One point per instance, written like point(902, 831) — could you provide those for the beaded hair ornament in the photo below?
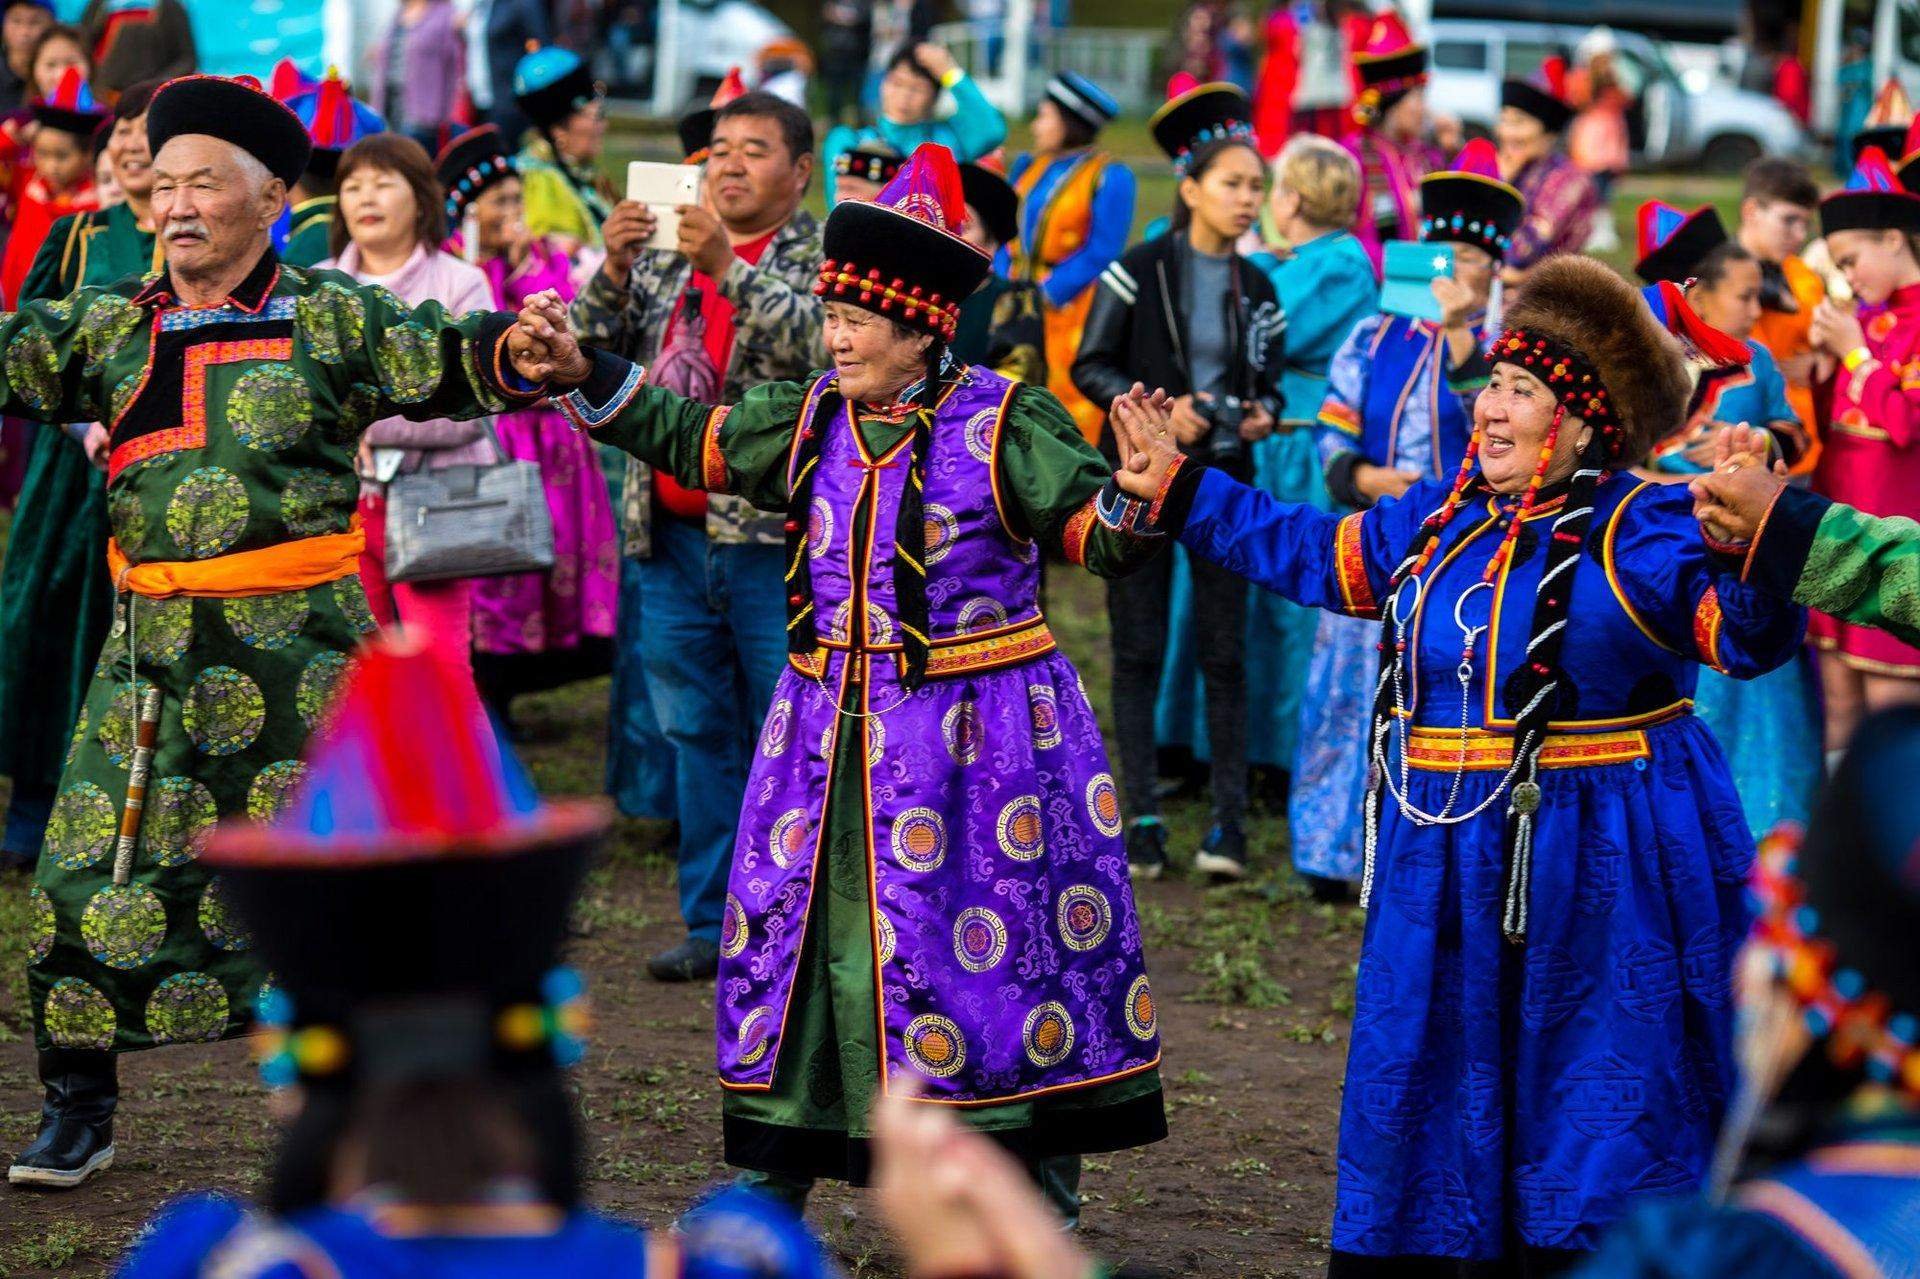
point(1229, 131)
point(1859, 1027)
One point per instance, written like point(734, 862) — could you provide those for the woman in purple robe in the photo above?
point(534, 631)
point(929, 883)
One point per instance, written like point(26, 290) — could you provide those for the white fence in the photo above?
point(1121, 60)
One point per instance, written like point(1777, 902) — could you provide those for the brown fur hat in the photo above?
point(1582, 306)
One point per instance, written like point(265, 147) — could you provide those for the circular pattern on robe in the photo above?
point(318, 683)
point(1044, 710)
point(787, 838)
point(123, 925)
point(888, 939)
point(187, 1008)
point(1141, 1017)
point(207, 512)
point(77, 1015)
point(819, 526)
point(935, 1046)
point(81, 827)
point(1103, 804)
point(180, 814)
point(409, 363)
point(351, 598)
point(756, 1035)
point(270, 407)
point(43, 925)
point(119, 726)
point(273, 788)
point(982, 613)
point(267, 622)
point(979, 939)
point(979, 434)
point(224, 711)
point(162, 630)
point(218, 923)
point(314, 501)
point(942, 531)
point(879, 625)
point(962, 731)
point(120, 396)
point(876, 741)
point(1085, 917)
point(777, 734)
point(1048, 1034)
point(33, 368)
point(1021, 830)
point(919, 839)
point(733, 928)
point(126, 517)
point(332, 319)
point(110, 320)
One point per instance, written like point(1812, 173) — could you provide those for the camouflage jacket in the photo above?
point(777, 339)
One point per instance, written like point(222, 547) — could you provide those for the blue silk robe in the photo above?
point(1497, 1091)
point(1386, 398)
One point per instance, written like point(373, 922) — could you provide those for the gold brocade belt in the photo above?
point(1440, 750)
point(949, 655)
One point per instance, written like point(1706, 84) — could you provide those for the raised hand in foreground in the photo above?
point(1732, 499)
point(1142, 427)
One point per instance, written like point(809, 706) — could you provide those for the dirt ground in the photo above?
point(1254, 983)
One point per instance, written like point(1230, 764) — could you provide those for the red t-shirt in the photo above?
point(673, 496)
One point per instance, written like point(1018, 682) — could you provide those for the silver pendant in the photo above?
point(1526, 797)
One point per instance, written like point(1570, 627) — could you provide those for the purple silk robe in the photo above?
point(1008, 948)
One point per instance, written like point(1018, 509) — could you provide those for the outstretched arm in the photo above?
point(1308, 556)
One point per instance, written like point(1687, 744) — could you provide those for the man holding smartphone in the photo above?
point(729, 308)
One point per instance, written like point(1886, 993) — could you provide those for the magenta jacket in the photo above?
point(435, 70)
point(430, 276)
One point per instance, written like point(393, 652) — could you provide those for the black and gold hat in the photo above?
point(1199, 117)
point(868, 163)
point(1470, 204)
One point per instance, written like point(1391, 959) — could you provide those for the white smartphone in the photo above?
point(663, 188)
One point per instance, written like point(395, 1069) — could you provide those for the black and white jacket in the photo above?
point(1136, 330)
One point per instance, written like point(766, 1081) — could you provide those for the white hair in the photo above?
point(257, 173)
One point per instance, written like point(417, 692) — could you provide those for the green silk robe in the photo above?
point(234, 429)
point(310, 235)
point(55, 596)
point(1856, 567)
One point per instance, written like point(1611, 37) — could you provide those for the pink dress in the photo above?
point(539, 630)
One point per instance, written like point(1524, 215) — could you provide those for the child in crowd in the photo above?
point(60, 180)
point(1777, 205)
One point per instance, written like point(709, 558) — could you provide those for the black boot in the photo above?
point(76, 1120)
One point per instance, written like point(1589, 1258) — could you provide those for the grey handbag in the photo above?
point(468, 521)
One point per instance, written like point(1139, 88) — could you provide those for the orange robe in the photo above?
point(1784, 334)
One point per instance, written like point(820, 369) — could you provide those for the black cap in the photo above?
point(997, 203)
point(1198, 117)
point(1553, 113)
point(471, 163)
point(236, 111)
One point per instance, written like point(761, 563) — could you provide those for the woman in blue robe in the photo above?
point(1395, 409)
point(1326, 285)
point(1556, 854)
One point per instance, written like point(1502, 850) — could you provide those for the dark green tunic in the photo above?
point(234, 429)
point(55, 597)
point(310, 237)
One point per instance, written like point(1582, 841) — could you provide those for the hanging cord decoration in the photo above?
point(910, 525)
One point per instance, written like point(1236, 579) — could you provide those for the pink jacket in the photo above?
point(430, 276)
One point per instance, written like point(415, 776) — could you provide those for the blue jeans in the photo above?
point(639, 756)
point(713, 643)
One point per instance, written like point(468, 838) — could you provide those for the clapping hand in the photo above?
point(542, 344)
point(1143, 429)
point(1733, 498)
point(1836, 329)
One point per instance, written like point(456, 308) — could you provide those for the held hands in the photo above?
point(1143, 429)
point(1732, 499)
point(959, 1204)
point(542, 344)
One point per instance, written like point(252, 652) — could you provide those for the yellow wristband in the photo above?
point(1855, 358)
point(952, 77)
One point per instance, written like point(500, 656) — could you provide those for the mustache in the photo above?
point(188, 226)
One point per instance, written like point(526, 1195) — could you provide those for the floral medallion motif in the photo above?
point(41, 929)
point(224, 711)
point(33, 368)
point(120, 723)
point(1085, 916)
point(187, 1008)
point(218, 923)
point(123, 925)
point(919, 839)
point(266, 621)
point(935, 1046)
point(1048, 1035)
point(207, 512)
point(979, 939)
point(270, 407)
point(180, 814)
point(1021, 830)
point(81, 827)
point(409, 362)
point(316, 501)
point(77, 1015)
point(318, 682)
point(272, 788)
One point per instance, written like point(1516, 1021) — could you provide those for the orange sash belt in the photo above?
point(288, 566)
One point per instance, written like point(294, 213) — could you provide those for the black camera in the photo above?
point(1224, 415)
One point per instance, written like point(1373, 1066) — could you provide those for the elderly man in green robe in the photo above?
point(234, 390)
